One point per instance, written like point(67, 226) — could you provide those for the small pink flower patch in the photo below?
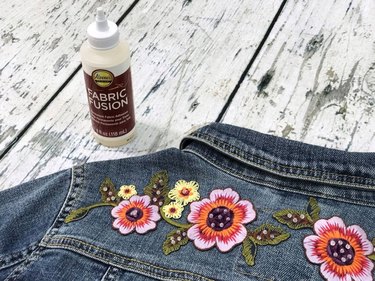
point(135, 214)
point(220, 220)
point(341, 251)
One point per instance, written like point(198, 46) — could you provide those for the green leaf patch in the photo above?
point(175, 240)
point(372, 256)
point(249, 250)
point(313, 209)
point(268, 234)
point(294, 219)
point(157, 188)
point(77, 214)
point(108, 191)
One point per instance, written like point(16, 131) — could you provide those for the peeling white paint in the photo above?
point(179, 80)
point(324, 61)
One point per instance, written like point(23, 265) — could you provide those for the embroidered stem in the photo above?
point(82, 212)
point(174, 223)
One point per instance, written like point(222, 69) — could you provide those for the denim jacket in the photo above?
point(230, 204)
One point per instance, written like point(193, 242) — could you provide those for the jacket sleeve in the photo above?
point(27, 212)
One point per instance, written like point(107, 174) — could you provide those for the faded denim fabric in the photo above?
point(272, 173)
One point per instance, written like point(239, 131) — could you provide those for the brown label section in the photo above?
point(111, 106)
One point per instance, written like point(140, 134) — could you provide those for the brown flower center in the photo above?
point(220, 218)
point(172, 210)
point(134, 214)
point(341, 252)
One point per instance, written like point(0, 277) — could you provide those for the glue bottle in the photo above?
point(106, 66)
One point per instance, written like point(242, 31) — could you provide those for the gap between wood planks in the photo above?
point(28, 125)
point(256, 53)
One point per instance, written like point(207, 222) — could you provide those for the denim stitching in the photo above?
point(136, 269)
point(212, 139)
point(281, 187)
point(154, 275)
point(237, 152)
point(106, 273)
point(23, 266)
point(278, 187)
point(110, 274)
point(323, 172)
point(77, 175)
point(49, 243)
point(17, 257)
point(55, 225)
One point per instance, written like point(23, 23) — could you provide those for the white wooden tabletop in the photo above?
point(303, 70)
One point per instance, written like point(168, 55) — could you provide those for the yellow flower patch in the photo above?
point(127, 191)
point(185, 192)
point(173, 210)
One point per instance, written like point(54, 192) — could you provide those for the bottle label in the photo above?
point(110, 99)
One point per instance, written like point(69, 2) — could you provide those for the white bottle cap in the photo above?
point(102, 34)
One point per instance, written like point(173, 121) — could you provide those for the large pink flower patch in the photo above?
point(220, 220)
point(135, 214)
point(342, 251)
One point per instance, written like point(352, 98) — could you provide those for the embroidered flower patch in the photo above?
point(185, 192)
point(340, 250)
point(173, 210)
point(127, 191)
point(215, 221)
point(220, 220)
point(343, 253)
point(135, 213)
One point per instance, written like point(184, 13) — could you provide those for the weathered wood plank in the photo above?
point(187, 58)
point(38, 51)
point(315, 79)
